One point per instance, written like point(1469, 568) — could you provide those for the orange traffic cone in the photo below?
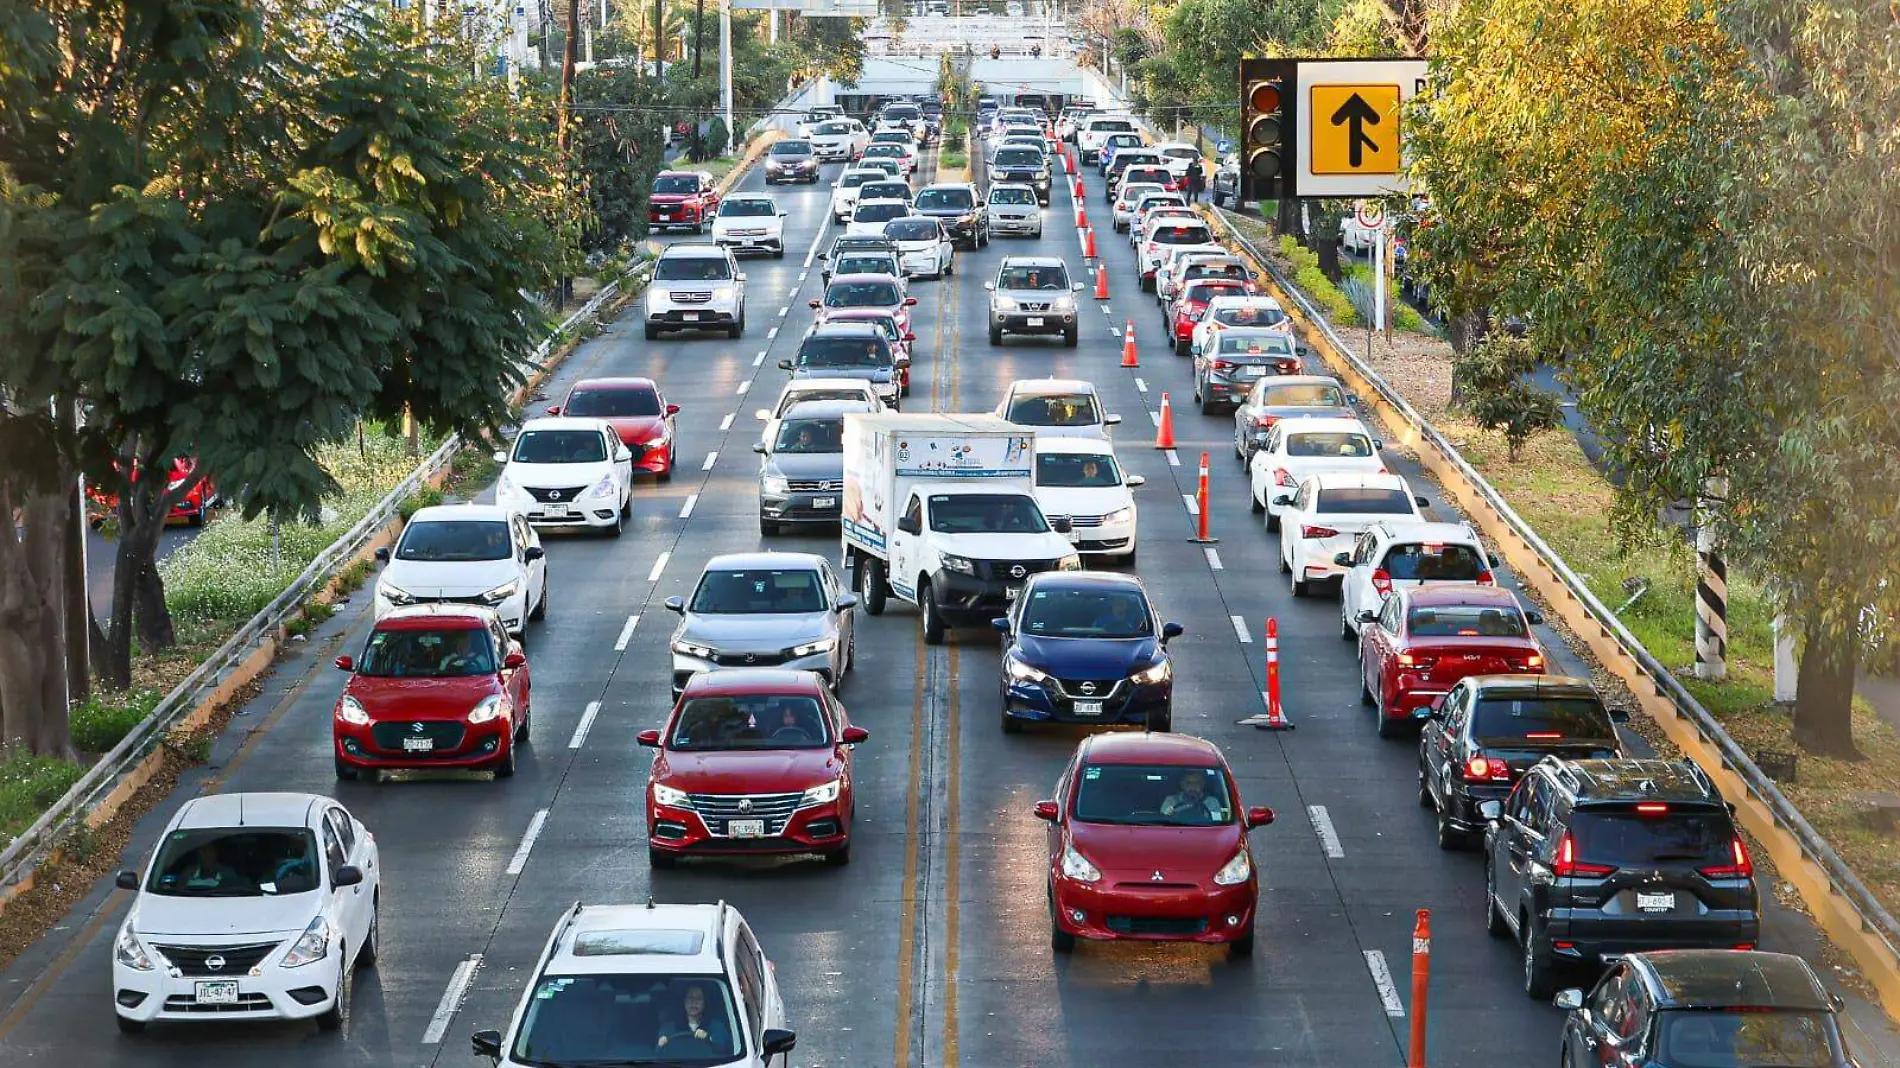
point(1079, 191)
point(1101, 282)
point(1088, 244)
point(1081, 216)
point(1128, 351)
point(1164, 434)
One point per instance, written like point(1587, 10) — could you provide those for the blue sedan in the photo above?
point(1086, 647)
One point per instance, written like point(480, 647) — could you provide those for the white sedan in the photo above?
point(844, 192)
point(568, 472)
point(870, 216)
point(480, 553)
point(1326, 515)
point(1297, 448)
point(1123, 213)
point(923, 247)
point(1244, 311)
point(1080, 478)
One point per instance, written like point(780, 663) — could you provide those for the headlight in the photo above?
point(775, 484)
point(960, 565)
point(823, 795)
point(350, 710)
point(702, 652)
point(490, 707)
point(1069, 563)
point(1119, 515)
point(1236, 870)
point(393, 594)
point(1003, 304)
point(658, 296)
point(501, 592)
point(724, 293)
point(1066, 304)
point(1022, 672)
point(822, 645)
point(602, 488)
point(1076, 866)
point(670, 798)
point(311, 946)
point(507, 488)
point(1158, 673)
point(130, 952)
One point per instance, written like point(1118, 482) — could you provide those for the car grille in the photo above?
point(558, 493)
point(1087, 520)
point(746, 233)
point(1003, 570)
point(817, 485)
point(1090, 689)
point(766, 659)
point(775, 809)
point(1020, 176)
point(1156, 925)
point(235, 960)
point(245, 1003)
point(691, 298)
point(447, 734)
point(1032, 306)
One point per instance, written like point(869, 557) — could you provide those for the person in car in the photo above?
point(207, 871)
point(693, 1023)
point(805, 440)
point(1116, 615)
point(1090, 471)
point(1192, 802)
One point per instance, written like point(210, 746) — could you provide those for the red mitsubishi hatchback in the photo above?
point(1426, 639)
point(752, 760)
point(637, 411)
point(438, 686)
point(1148, 841)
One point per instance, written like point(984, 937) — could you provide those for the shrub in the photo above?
point(1314, 283)
point(1497, 394)
point(1357, 287)
point(105, 719)
point(28, 784)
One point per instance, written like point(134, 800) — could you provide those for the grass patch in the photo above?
point(471, 471)
point(1303, 267)
point(351, 578)
point(105, 719)
point(1356, 284)
point(314, 614)
point(28, 784)
point(954, 157)
point(423, 497)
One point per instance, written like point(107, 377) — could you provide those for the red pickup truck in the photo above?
point(682, 198)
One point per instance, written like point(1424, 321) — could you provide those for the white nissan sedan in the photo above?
point(1326, 515)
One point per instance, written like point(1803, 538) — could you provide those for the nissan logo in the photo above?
point(1088, 687)
point(214, 963)
point(554, 495)
point(751, 658)
point(418, 727)
point(745, 804)
point(1018, 571)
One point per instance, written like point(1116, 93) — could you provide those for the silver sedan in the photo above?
point(765, 609)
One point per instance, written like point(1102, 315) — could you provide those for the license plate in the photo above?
point(824, 502)
point(418, 745)
point(1253, 371)
point(1010, 593)
point(557, 511)
point(691, 317)
point(746, 828)
point(1035, 320)
point(1656, 902)
point(217, 992)
point(1088, 708)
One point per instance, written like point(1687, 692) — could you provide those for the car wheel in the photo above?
point(666, 473)
point(1181, 347)
point(619, 525)
point(1273, 521)
point(653, 333)
point(1450, 839)
point(1129, 560)
point(1540, 971)
point(541, 605)
point(1059, 940)
point(344, 773)
point(839, 857)
point(366, 956)
point(950, 268)
point(626, 504)
point(662, 860)
point(1299, 586)
point(1258, 505)
point(332, 1018)
point(1285, 568)
point(871, 586)
point(767, 527)
point(1386, 726)
point(1365, 690)
point(850, 654)
point(933, 617)
point(737, 329)
point(1242, 946)
point(504, 768)
point(1493, 919)
point(996, 335)
point(1346, 633)
point(130, 1027)
point(778, 253)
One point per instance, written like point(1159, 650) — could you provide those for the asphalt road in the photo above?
point(932, 947)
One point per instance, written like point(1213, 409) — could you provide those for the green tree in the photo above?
point(1498, 395)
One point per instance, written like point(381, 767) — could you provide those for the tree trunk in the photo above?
point(1288, 212)
point(1463, 331)
point(78, 606)
point(1327, 249)
point(138, 594)
point(659, 40)
point(1824, 692)
point(34, 703)
point(699, 34)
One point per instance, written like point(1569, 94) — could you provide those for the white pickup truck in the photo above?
point(940, 510)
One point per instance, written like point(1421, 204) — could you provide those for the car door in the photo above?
point(623, 461)
point(515, 681)
point(1260, 468)
point(1375, 647)
point(1610, 1018)
point(1527, 820)
point(1441, 743)
point(1294, 521)
point(847, 618)
point(349, 905)
point(536, 570)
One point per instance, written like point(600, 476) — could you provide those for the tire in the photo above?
point(523, 728)
point(851, 653)
point(661, 860)
point(1011, 725)
point(1493, 919)
point(1273, 521)
point(541, 606)
point(1450, 839)
point(1285, 568)
point(653, 332)
point(197, 518)
point(1069, 339)
point(950, 269)
point(778, 253)
point(344, 773)
point(1300, 587)
point(767, 527)
point(332, 1018)
point(1129, 560)
point(620, 525)
point(839, 857)
point(1425, 800)
point(871, 579)
point(1059, 940)
point(737, 329)
point(1258, 505)
point(129, 1027)
point(1540, 971)
point(933, 618)
point(1181, 348)
point(996, 335)
point(504, 768)
point(1365, 691)
point(1385, 726)
point(366, 956)
point(1147, 284)
point(1242, 946)
point(1346, 633)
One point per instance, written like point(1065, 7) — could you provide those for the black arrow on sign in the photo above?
point(1358, 113)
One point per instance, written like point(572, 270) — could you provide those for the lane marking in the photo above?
point(1382, 978)
point(907, 914)
point(1193, 506)
point(786, 310)
point(520, 860)
point(1323, 826)
point(1213, 558)
point(451, 999)
point(953, 917)
point(726, 423)
point(743, 387)
point(793, 292)
point(802, 275)
point(759, 359)
point(626, 633)
point(1240, 630)
point(587, 724)
point(1174, 458)
point(659, 566)
point(1155, 418)
point(1114, 331)
point(1141, 385)
point(772, 333)
point(686, 510)
point(711, 459)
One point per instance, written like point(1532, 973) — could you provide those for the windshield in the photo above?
point(862, 295)
point(692, 269)
point(1699, 836)
point(1117, 125)
point(904, 114)
point(236, 862)
point(857, 178)
point(1303, 397)
point(833, 128)
point(867, 263)
point(1208, 288)
point(751, 721)
point(1756, 1038)
point(560, 447)
point(748, 208)
point(856, 352)
point(1182, 235)
point(1055, 409)
point(402, 653)
point(885, 149)
point(1565, 717)
point(1074, 470)
point(879, 211)
point(1342, 443)
point(1465, 621)
point(455, 541)
point(1144, 796)
point(884, 189)
point(810, 436)
point(1018, 157)
point(755, 590)
point(946, 199)
point(986, 513)
point(1014, 195)
point(676, 183)
point(913, 230)
point(796, 396)
point(1250, 315)
point(628, 1019)
point(612, 403)
point(792, 148)
point(891, 137)
point(1051, 277)
point(1432, 563)
point(1087, 613)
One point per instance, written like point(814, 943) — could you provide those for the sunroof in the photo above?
point(638, 943)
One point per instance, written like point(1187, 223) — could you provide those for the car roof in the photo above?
point(618, 382)
point(694, 249)
point(762, 559)
point(1240, 300)
point(1360, 479)
point(1033, 261)
point(826, 409)
point(247, 810)
point(683, 174)
point(569, 953)
point(845, 328)
point(1540, 685)
point(1087, 580)
point(1149, 748)
point(437, 616)
point(564, 422)
point(1723, 978)
point(1621, 779)
point(1065, 443)
point(450, 513)
point(1303, 380)
point(1037, 386)
point(736, 681)
point(1446, 594)
point(836, 278)
point(1414, 531)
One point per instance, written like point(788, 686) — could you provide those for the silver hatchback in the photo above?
point(1014, 209)
point(765, 609)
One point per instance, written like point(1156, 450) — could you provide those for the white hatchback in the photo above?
point(1297, 448)
point(1080, 478)
point(568, 472)
point(479, 553)
point(1326, 515)
point(254, 907)
point(750, 224)
point(869, 217)
point(1057, 407)
point(923, 247)
point(844, 192)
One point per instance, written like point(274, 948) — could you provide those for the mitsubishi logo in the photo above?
point(1157, 877)
point(1088, 687)
point(418, 727)
point(1018, 571)
point(745, 804)
point(214, 963)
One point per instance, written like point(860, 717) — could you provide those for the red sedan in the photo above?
point(1148, 842)
point(752, 760)
point(638, 412)
point(194, 508)
point(1185, 312)
point(438, 686)
point(1426, 639)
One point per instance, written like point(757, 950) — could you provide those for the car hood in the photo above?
point(463, 579)
point(1133, 854)
point(1049, 296)
point(945, 213)
point(556, 476)
point(669, 198)
point(637, 429)
point(407, 699)
point(748, 222)
point(760, 633)
point(1071, 500)
point(211, 918)
point(764, 771)
point(1088, 658)
point(1014, 210)
point(782, 161)
point(809, 465)
point(996, 546)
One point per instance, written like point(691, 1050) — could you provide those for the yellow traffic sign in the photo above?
point(1354, 129)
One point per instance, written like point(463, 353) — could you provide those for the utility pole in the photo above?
point(699, 34)
point(659, 41)
point(725, 70)
point(1711, 588)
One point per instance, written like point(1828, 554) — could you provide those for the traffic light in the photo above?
point(1266, 129)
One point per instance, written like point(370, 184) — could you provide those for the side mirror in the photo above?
point(554, 409)
point(785, 365)
point(622, 453)
point(909, 526)
point(514, 660)
point(759, 447)
point(1259, 816)
point(910, 302)
point(1365, 617)
point(1001, 625)
point(650, 739)
point(672, 409)
point(776, 1041)
point(1172, 630)
point(1379, 446)
point(1305, 351)
point(845, 601)
point(1496, 561)
point(1343, 559)
point(762, 415)
point(1282, 501)
point(127, 880)
point(740, 276)
point(1135, 481)
point(1568, 1000)
point(854, 735)
point(344, 663)
point(347, 875)
point(1533, 617)
point(534, 552)
point(676, 604)
point(1062, 524)
point(1046, 810)
point(1492, 811)
point(382, 554)
point(1619, 715)
point(486, 1044)
point(813, 303)
point(501, 457)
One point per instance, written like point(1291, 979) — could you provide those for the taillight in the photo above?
point(1382, 581)
point(1221, 365)
point(1485, 578)
point(1283, 477)
point(1287, 367)
point(1543, 736)
point(1567, 864)
point(1487, 769)
point(1267, 421)
point(1739, 867)
point(1532, 662)
point(1415, 662)
point(1318, 532)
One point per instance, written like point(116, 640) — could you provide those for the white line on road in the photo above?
point(802, 275)
point(786, 310)
point(1174, 458)
point(686, 510)
point(1193, 506)
point(1113, 332)
point(451, 999)
point(520, 860)
point(711, 459)
point(743, 387)
point(1140, 384)
point(1155, 418)
point(1382, 978)
point(794, 290)
point(1240, 630)
point(626, 633)
point(759, 359)
point(587, 723)
point(1323, 826)
point(1213, 558)
point(659, 566)
point(726, 423)
point(772, 333)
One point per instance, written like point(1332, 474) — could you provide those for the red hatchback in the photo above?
point(1186, 310)
point(1148, 841)
point(1426, 639)
point(682, 198)
point(752, 760)
point(637, 411)
point(438, 686)
point(194, 507)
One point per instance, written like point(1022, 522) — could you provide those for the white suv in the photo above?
point(750, 223)
point(255, 907)
point(1392, 556)
point(638, 984)
point(696, 287)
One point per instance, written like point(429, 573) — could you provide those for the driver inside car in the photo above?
point(1192, 803)
point(693, 1025)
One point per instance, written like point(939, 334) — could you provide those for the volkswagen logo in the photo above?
point(1018, 571)
point(745, 804)
point(554, 495)
point(418, 727)
point(1088, 687)
point(214, 963)
point(1157, 877)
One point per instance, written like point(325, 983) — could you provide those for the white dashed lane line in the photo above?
point(1174, 458)
point(1240, 630)
point(1140, 384)
point(519, 862)
point(772, 333)
point(1323, 827)
point(1213, 559)
point(1382, 978)
point(686, 510)
point(626, 634)
point(659, 566)
point(726, 423)
point(587, 724)
point(1155, 418)
point(759, 359)
point(786, 310)
point(711, 459)
point(743, 387)
point(1193, 506)
point(459, 981)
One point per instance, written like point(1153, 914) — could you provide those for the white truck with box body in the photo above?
point(940, 510)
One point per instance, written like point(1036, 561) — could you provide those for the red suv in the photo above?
point(1148, 841)
point(752, 760)
point(637, 411)
point(1186, 310)
point(438, 686)
point(1426, 639)
point(194, 507)
point(682, 198)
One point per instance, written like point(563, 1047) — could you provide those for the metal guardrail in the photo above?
point(1874, 918)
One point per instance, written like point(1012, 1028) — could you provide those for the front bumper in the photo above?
point(1016, 224)
point(276, 993)
point(807, 173)
point(696, 317)
point(685, 667)
point(830, 152)
point(1106, 913)
point(692, 216)
point(1109, 539)
point(799, 506)
point(751, 242)
point(1022, 322)
point(924, 262)
point(1121, 701)
point(593, 512)
point(454, 743)
point(814, 829)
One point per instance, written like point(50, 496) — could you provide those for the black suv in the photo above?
point(963, 214)
point(1588, 859)
point(1489, 730)
point(1696, 1007)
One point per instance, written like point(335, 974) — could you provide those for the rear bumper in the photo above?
point(1586, 936)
